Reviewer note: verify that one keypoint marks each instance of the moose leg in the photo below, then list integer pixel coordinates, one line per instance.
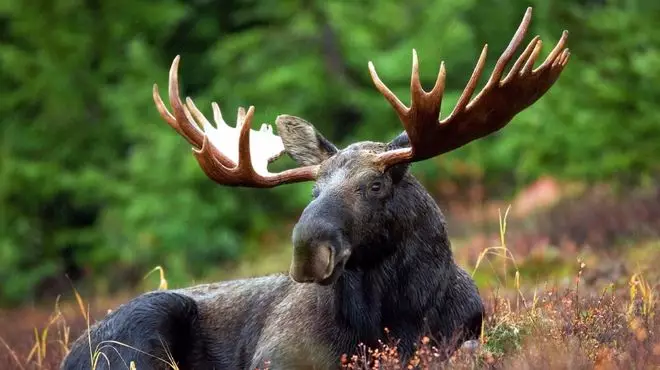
(461, 315)
(151, 330)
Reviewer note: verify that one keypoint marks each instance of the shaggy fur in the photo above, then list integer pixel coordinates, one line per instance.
(394, 269)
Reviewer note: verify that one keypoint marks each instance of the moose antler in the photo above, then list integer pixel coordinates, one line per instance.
(495, 105)
(230, 156)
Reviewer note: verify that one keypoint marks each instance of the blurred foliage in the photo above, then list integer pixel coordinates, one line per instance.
(93, 183)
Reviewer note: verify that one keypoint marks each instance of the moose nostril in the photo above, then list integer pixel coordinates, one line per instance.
(312, 264)
(326, 261)
(320, 264)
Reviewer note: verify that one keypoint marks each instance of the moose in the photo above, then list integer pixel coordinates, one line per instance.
(371, 256)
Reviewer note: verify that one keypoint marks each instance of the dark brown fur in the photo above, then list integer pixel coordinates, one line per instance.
(391, 267)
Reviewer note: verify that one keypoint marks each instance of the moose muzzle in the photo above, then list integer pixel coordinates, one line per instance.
(320, 249)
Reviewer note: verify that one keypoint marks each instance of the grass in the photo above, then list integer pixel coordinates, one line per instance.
(571, 328)
(569, 320)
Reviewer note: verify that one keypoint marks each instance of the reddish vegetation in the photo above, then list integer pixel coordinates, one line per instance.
(562, 216)
(543, 193)
(578, 328)
(561, 331)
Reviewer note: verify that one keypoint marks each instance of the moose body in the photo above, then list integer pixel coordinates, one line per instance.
(371, 256)
(404, 279)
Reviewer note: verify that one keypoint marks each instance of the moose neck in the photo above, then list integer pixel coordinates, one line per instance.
(396, 292)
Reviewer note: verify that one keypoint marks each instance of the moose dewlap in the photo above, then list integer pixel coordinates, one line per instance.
(370, 251)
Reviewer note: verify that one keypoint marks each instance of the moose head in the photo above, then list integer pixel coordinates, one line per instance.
(360, 191)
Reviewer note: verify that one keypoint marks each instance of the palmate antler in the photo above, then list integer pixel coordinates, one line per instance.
(229, 156)
(495, 105)
(239, 156)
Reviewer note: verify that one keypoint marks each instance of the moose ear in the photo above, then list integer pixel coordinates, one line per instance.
(302, 142)
(401, 141)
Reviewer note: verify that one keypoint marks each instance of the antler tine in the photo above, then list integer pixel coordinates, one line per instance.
(162, 109)
(527, 68)
(217, 115)
(555, 53)
(471, 85)
(184, 120)
(168, 117)
(398, 106)
(439, 87)
(198, 116)
(565, 55)
(520, 62)
(510, 50)
(244, 156)
(416, 90)
(240, 117)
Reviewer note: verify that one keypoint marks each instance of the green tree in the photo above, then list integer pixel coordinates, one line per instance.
(94, 184)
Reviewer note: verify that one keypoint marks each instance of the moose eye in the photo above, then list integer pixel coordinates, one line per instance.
(375, 186)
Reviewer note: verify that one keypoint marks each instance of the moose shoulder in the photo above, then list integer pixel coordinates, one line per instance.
(370, 251)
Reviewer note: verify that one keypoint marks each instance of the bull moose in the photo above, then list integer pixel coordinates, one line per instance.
(370, 251)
